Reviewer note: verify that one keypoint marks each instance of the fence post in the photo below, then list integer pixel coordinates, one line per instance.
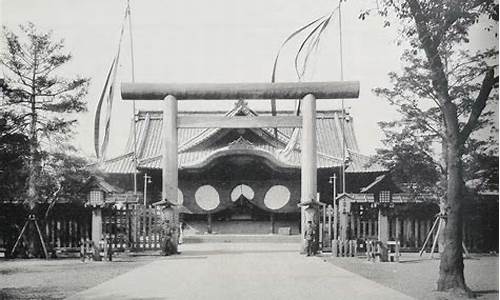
(135, 230)
(335, 248)
(417, 233)
(358, 227)
(96, 224)
(150, 229)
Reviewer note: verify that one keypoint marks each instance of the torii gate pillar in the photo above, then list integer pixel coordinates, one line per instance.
(170, 173)
(309, 164)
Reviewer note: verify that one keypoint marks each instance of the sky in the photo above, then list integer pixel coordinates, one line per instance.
(215, 41)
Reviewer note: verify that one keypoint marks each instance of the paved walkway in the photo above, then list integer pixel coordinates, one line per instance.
(240, 271)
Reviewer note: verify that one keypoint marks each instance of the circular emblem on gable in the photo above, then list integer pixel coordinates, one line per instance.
(242, 190)
(277, 197)
(207, 197)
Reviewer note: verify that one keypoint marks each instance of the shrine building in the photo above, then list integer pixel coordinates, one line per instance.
(245, 181)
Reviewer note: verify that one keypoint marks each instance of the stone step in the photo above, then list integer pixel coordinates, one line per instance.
(241, 238)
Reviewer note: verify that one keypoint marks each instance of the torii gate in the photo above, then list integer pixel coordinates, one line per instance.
(308, 91)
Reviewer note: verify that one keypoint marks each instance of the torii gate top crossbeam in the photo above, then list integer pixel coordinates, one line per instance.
(228, 91)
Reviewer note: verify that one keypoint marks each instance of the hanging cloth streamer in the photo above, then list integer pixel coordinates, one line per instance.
(310, 43)
(108, 95)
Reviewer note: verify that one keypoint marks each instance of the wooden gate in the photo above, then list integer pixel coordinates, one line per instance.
(135, 227)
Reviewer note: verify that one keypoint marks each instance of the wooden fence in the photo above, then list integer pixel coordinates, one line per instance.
(63, 228)
(66, 232)
(412, 232)
(134, 227)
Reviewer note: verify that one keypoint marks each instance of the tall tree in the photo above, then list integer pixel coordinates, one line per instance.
(41, 100)
(444, 91)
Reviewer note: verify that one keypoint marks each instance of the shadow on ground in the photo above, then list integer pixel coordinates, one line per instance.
(485, 292)
(31, 293)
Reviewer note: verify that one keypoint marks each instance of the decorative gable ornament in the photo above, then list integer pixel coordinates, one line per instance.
(241, 144)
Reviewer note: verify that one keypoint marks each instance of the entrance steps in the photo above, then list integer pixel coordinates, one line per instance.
(241, 238)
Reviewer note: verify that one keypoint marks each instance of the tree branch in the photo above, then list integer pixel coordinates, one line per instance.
(489, 82)
(429, 92)
(18, 73)
(54, 197)
(430, 46)
(434, 162)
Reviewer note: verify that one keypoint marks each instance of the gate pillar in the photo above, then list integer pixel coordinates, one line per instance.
(383, 226)
(96, 224)
(309, 164)
(170, 173)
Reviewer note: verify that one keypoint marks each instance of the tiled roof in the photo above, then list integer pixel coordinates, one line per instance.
(123, 164)
(193, 152)
(99, 182)
(196, 158)
(360, 163)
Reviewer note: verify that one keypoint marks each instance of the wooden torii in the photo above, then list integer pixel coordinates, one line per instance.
(171, 93)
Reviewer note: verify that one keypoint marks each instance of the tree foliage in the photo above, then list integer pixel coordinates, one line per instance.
(39, 100)
(410, 160)
(14, 152)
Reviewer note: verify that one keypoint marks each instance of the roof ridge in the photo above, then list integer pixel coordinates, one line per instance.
(141, 113)
(148, 159)
(118, 157)
(240, 106)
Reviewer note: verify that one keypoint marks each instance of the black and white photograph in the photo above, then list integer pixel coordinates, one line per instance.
(253, 150)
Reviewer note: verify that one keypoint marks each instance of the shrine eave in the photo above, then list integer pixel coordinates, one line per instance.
(198, 146)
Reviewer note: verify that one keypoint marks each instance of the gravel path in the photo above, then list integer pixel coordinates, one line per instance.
(238, 271)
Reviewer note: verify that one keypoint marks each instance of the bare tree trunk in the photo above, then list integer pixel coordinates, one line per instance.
(451, 268)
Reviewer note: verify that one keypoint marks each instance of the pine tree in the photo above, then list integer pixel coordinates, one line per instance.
(41, 100)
